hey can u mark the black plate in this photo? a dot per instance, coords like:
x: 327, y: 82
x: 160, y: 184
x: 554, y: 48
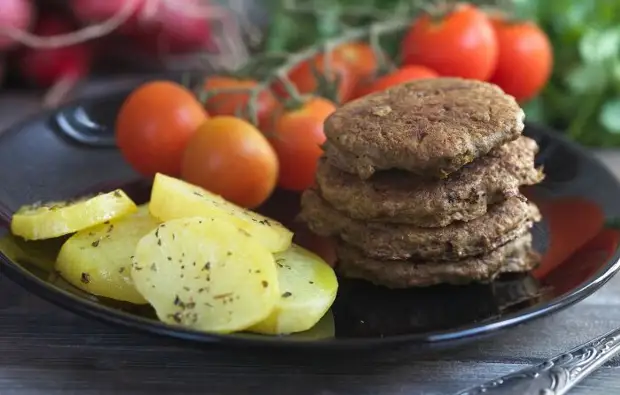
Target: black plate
x: 68, y: 153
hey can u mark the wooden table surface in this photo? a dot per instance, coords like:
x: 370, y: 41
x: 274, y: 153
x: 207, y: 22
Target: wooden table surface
x: 46, y: 350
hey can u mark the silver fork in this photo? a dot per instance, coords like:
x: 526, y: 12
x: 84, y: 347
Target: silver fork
x: 555, y: 376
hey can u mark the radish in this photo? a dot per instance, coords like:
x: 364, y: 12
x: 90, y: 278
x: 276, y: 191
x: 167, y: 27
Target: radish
x: 175, y: 26
x: 60, y: 67
x: 2, y: 68
x: 186, y: 30
x: 89, y: 11
x: 16, y: 14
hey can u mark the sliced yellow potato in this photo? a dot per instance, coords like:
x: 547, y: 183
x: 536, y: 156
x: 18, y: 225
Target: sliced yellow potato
x: 144, y: 210
x: 59, y: 282
x: 324, y: 329
x: 53, y: 219
x: 308, y: 288
x: 172, y: 198
x: 98, y: 259
x: 36, y: 256
x: 205, y: 274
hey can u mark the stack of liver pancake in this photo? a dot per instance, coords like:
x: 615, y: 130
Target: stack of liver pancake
x: 419, y: 185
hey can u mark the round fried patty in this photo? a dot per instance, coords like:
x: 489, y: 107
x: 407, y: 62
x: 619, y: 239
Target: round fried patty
x: 428, y: 127
x: 399, y: 197
x: 503, y: 222
x: 515, y: 256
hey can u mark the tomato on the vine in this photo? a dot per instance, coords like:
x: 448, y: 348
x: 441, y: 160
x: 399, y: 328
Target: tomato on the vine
x: 230, y: 157
x: 360, y: 58
x: 297, y: 138
x: 232, y: 102
x: 461, y: 44
x: 154, y: 125
x: 402, y: 75
x: 337, y: 75
x: 525, y: 58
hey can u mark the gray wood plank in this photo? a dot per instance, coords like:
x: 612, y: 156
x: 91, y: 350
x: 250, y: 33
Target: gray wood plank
x: 43, y: 348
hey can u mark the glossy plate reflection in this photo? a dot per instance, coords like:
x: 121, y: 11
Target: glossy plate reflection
x: 43, y: 160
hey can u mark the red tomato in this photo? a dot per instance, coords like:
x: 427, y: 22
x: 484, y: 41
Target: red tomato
x: 462, y: 44
x: 360, y: 59
x: 230, y: 157
x: 303, y: 76
x: 230, y: 103
x: 402, y: 75
x: 525, y: 58
x: 297, y: 139
x: 154, y: 125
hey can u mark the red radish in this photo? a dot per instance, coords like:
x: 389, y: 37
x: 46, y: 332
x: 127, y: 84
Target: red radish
x: 175, y: 26
x: 59, y: 68
x: 185, y: 29
x: 17, y: 14
x: 47, y: 66
x: 2, y: 68
x: 89, y: 11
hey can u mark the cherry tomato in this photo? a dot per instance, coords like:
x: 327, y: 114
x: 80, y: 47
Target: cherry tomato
x: 402, y: 75
x: 304, y: 78
x: 461, y: 44
x: 230, y: 157
x: 359, y: 58
x: 297, y: 139
x: 525, y: 58
x: 154, y: 125
x: 230, y: 103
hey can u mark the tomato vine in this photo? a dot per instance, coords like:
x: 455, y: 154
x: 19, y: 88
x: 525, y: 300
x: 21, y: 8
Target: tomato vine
x: 280, y: 73
x: 376, y: 24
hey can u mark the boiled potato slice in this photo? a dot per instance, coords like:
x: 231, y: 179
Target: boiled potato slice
x: 144, y: 210
x: 59, y: 282
x: 205, y: 274
x: 172, y: 198
x: 308, y: 288
x: 34, y: 256
x: 53, y: 219
x: 324, y: 329
x: 98, y: 259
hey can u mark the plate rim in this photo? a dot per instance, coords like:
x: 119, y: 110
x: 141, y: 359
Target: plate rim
x: 108, y: 315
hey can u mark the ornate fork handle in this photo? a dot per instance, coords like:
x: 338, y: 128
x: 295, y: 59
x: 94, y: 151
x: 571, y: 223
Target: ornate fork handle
x: 555, y: 376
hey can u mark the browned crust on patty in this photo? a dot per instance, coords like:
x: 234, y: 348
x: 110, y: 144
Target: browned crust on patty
x: 428, y: 127
x: 399, y: 197
x: 515, y: 256
x: 504, y: 222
